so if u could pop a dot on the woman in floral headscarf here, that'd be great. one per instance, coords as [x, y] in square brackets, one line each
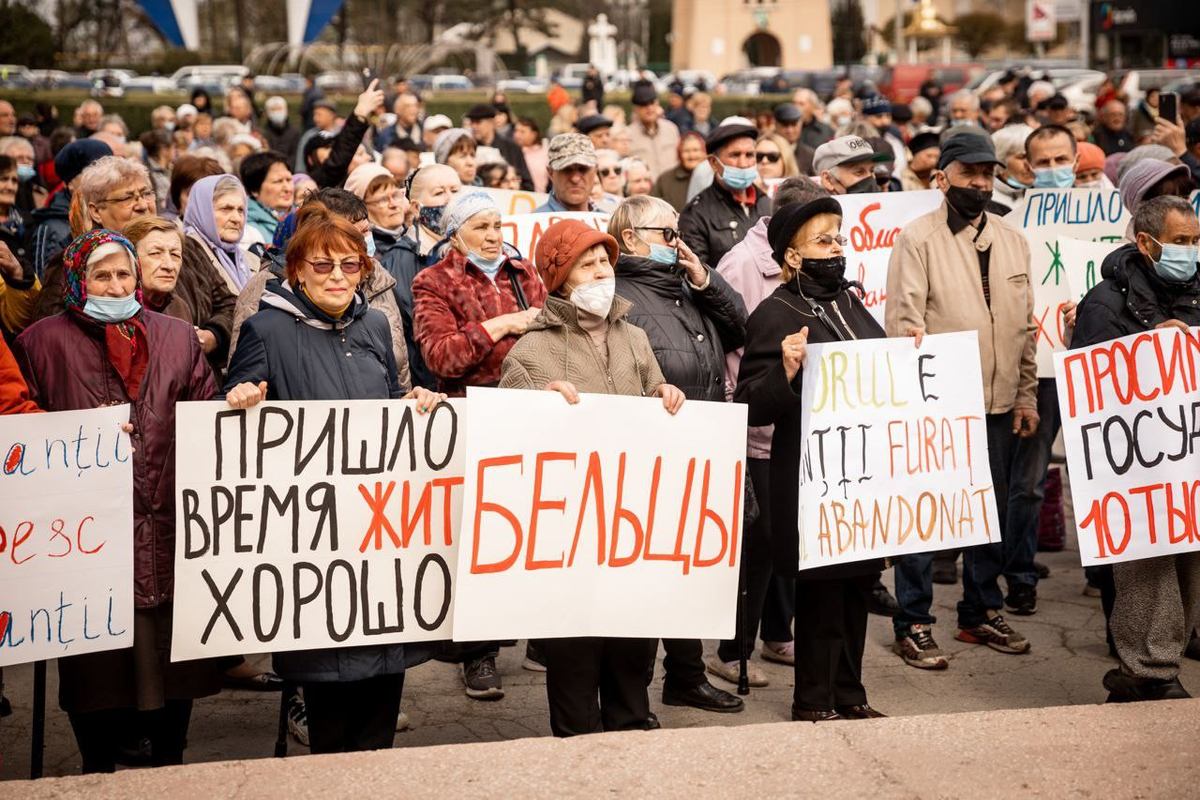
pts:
[107, 349]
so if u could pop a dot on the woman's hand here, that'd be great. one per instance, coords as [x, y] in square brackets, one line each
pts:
[1068, 312]
[917, 334]
[208, 342]
[566, 389]
[246, 395]
[426, 400]
[513, 324]
[1173, 323]
[369, 100]
[697, 273]
[795, 350]
[672, 398]
[127, 427]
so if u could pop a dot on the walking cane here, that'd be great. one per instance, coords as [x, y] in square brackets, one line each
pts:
[281, 741]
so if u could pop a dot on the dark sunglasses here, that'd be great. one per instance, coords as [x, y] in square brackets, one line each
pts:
[669, 234]
[606, 171]
[770, 158]
[349, 266]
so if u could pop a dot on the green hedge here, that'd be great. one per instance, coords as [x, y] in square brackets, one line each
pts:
[135, 109]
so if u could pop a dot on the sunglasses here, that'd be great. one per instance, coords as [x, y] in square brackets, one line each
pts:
[669, 234]
[349, 267]
[770, 158]
[606, 171]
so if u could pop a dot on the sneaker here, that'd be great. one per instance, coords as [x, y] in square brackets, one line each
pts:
[297, 719]
[882, 603]
[730, 671]
[1022, 599]
[534, 661]
[1091, 590]
[780, 652]
[918, 649]
[403, 723]
[482, 680]
[996, 634]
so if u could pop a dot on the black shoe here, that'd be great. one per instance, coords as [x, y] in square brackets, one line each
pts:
[1192, 652]
[882, 602]
[1127, 689]
[859, 712]
[652, 723]
[945, 571]
[1042, 570]
[534, 660]
[5, 707]
[705, 697]
[1022, 599]
[804, 715]
[482, 680]
[135, 753]
[262, 682]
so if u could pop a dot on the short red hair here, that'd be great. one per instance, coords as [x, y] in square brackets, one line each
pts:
[319, 230]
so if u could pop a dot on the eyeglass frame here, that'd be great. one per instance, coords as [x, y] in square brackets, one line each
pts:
[339, 264]
[669, 235]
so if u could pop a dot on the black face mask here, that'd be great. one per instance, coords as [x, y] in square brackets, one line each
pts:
[865, 186]
[968, 202]
[828, 273]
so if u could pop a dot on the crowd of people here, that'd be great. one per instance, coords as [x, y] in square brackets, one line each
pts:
[238, 258]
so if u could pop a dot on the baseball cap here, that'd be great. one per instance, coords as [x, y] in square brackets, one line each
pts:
[437, 122]
[844, 150]
[568, 149]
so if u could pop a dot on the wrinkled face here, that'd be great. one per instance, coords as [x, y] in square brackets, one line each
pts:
[160, 254]
[111, 276]
[481, 235]
[637, 240]
[407, 108]
[1113, 116]
[769, 158]
[739, 153]
[691, 153]
[611, 176]
[788, 130]
[1055, 151]
[121, 206]
[601, 138]
[847, 175]
[229, 210]
[590, 267]
[1177, 229]
[277, 190]
[436, 190]
[387, 206]
[962, 109]
[89, 116]
[463, 163]
[239, 107]
[573, 184]
[637, 180]
[966, 176]
[326, 282]
[9, 183]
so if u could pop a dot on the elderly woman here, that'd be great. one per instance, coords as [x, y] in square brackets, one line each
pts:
[1016, 176]
[316, 338]
[108, 349]
[31, 194]
[159, 246]
[268, 182]
[638, 180]
[775, 157]
[12, 221]
[188, 169]
[672, 185]
[582, 342]
[813, 303]
[456, 148]
[429, 190]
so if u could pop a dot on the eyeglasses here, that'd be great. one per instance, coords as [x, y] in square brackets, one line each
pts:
[604, 172]
[350, 266]
[669, 234]
[827, 240]
[770, 158]
[395, 198]
[131, 199]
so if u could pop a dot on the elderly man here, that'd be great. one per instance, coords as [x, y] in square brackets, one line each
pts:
[789, 121]
[846, 165]
[960, 269]
[1110, 132]
[720, 216]
[408, 123]
[814, 131]
[481, 119]
[652, 138]
[598, 128]
[281, 135]
[1149, 283]
[87, 118]
[8, 118]
[964, 109]
[572, 171]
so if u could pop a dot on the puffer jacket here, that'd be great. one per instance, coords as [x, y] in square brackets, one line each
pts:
[51, 230]
[378, 289]
[713, 222]
[302, 355]
[398, 255]
[1131, 298]
[556, 348]
[66, 365]
[690, 329]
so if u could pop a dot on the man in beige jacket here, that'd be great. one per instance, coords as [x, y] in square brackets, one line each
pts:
[961, 269]
[652, 138]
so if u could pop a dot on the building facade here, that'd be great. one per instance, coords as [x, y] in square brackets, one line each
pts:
[722, 36]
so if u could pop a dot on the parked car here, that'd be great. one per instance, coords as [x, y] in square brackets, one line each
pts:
[1136, 82]
[522, 85]
[748, 81]
[699, 79]
[343, 80]
[14, 76]
[1081, 91]
[108, 83]
[120, 74]
[902, 82]
[571, 76]
[151, 84]
[213, 78]
[49, 79]
[451, 83]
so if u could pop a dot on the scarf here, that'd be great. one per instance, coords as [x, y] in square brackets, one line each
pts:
[198, 218]
[126, 342]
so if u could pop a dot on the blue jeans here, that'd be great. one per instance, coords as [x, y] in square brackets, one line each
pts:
[982, 564]
[1031, 457]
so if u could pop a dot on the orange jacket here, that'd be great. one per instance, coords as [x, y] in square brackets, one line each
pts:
[14, 394]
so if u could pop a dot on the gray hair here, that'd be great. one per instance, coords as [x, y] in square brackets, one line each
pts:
[608, 155]
[859, 128]
[227, 185]
[809, 96]
[275, 101]
[8, 144]
[86, 104]
[638, 211]
[115, 119]
[108, 174]
[1010, 141]
[965, 94]
[796, 191]
[224, 129]
[1151, 215]
[921, 105]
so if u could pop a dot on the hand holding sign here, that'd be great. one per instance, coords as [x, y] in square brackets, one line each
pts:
[426, 400]
[247, 395]
[794, 349]
[566, 389]
[672, 398]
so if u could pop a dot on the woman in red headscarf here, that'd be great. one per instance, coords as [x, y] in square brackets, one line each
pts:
[106, 349]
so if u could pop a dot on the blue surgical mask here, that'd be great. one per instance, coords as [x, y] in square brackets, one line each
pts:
[490, 268]
[25, 172]
[431, 217]
[1016, 184]
[737, 178]
[1054, 177]
[664, 255]
[1177, 262]
[112, 309]
[370, 239]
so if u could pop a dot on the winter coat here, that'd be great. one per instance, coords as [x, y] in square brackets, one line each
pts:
[203, 289]
[303, 354]
[49, 301]
[815, 133]
[713, 222]
[690, 329]
[18, 295]
[451, 301]
[762, 384]
[51, 230]
[750, 270]
[672, 186]
[399, 257]
[1132, 298]
[335, 168]
[556, 348]
[262, 218]
[14, 392]
[66, 364]
[284, 140]
[659, 149]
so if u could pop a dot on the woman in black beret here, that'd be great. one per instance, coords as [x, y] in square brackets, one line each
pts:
[814, 303]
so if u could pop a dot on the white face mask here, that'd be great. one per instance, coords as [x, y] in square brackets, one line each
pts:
[595, 297]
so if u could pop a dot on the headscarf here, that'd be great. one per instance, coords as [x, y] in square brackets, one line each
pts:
[445, 142]
[126, 342]
[462, 207]
[198, 218]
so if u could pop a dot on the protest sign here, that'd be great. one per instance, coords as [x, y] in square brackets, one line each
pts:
[1081, 263]
[895, 453]
[66, 534]
[515, 201]
[871, 223]
[524, 230]
[314, 524]
[606, 518]
[1131, 424]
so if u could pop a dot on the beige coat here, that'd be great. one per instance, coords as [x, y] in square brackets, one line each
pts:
[657, 150]
[934, 284]
[556, 348]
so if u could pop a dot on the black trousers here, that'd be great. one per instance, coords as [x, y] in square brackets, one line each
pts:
[348, 716]
[97, 734]
[596, 684]
[831, 632]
